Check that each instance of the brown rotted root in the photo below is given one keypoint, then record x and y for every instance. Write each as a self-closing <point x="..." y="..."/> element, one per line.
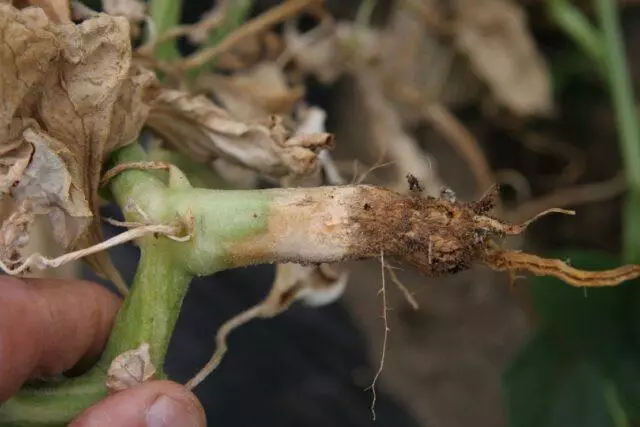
<point x="511" y="261"/>
<point x="443" y="236"/>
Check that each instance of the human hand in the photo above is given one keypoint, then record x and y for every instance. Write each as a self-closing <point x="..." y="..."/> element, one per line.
<point x="49" y="326"/>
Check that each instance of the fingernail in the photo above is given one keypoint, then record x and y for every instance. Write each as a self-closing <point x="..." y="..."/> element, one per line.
<point x="167" y="412"/>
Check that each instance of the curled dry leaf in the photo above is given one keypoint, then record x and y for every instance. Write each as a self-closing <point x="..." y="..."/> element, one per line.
<point x="133" y="10"/>
<point x="15" y="157"/>
<point x="324" y="285"/>
<point x="328" y="50"/>
<point x="47" y="184"/>
<point x="130" y="368"/>
<point x="204" y="131"/>
<point x="494" y="36"/>
<point x="14" y="232"/>
<point x="70" y="97"/>
<point x="254" y="94"/>
<point x="414" y="55"/>
<point x="57" y="10"/>
<point x="318" y="51"/>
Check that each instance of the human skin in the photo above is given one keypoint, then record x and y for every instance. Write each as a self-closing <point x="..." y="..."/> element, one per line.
<point x="51" y="326"/>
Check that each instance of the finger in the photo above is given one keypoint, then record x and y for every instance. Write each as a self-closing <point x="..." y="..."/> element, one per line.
<point x="151" y="404"/>
<point x="49" y="325"/>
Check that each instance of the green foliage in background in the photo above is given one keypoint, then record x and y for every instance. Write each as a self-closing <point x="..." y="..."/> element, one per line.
<point x="581" y="367"/>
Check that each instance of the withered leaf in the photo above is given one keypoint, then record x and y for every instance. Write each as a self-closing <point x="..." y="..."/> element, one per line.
<point x="14" y="232"/>
<point x="253" y="94"/>
<point x="205" y="132"/>
<point x="494" y="36"/>
<point x="76" y="83"/>
<point x="134" y="10"/>
<point x="57" y="10"/>
<point x="48" y="186"/>
<point x="15" y="156"/>
<point x="318" y="52"/>
<point x="413" y="55"/>
<point x="27" y="53"/>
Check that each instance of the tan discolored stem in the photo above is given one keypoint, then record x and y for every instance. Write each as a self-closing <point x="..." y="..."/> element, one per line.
<point x="330" y="224"/>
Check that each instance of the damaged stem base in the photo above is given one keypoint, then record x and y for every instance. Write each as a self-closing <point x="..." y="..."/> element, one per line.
<point x="229" y="229"/>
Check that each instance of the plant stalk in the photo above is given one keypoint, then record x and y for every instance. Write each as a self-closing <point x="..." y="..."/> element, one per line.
<point x="629" y="130"/>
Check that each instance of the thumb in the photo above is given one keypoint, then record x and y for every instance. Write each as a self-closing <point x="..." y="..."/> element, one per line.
<point x="152" y="404"/>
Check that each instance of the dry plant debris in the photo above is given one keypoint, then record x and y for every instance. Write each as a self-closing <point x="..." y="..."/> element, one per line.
<point x="204" y="131"/>
<point x="65" y="89"/>
<point x="494" y="36"/>
<point x="130" y="368"/>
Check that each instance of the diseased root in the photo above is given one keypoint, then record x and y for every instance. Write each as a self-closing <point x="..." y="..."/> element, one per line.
<point x="512" y="262"/>
<point x="515" y="229"/>
<point x="385" y="318"/>
<point x="401" y="286"/>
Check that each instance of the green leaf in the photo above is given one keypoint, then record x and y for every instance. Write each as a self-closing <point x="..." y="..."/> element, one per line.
<point x="573" y="22"/>
<point x="631" y="222"/>
<point x="166" y="15"/>
<point x="582" y="366"/>
<point x="547" y="387"/>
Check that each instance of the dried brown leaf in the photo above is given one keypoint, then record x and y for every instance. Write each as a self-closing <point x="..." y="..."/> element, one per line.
<point x="14" y="232"/>
<point x="494" y="36"/>
<point x="89" y="101"/>
<point x="49" y="187"/>
<point x="133" y="10"/>
<point x="254" y="94"/>
<point x="28" y="51"/>
<point x="205" y="132"/>
<point x="15" y="157"/>
<point x="320" y="285"/>
<point x="415" y="55"/>
<point x="318" y="52"/>
<point x="58" y="11"/>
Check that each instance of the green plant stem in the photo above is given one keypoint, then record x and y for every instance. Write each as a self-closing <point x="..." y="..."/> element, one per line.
<point x="573" y="22"/>
<point x="621" y="91"/>
<point x="166" y="15"/>
<point x="150" y="313"/>
<point x="52" y="405"/>
<point x="629" y="130"/>
<point x="614" y="405"/>
<point x="364" y="13"/>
